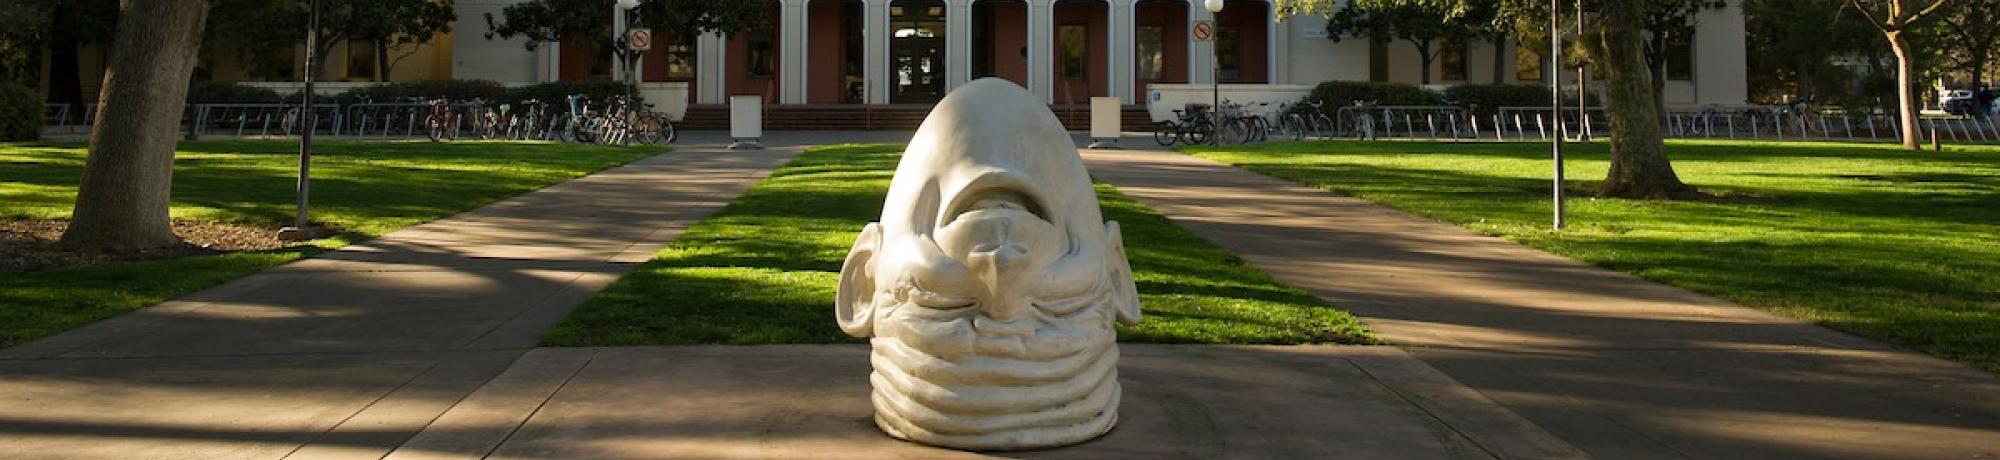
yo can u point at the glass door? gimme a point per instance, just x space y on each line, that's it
916 52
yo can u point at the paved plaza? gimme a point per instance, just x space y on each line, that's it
420 344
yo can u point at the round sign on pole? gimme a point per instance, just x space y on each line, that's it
639 39
1204 31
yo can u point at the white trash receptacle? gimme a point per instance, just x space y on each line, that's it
1105 116
746 122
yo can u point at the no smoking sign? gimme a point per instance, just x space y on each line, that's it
639 39
1204 31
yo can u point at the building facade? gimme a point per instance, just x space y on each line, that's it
1064 51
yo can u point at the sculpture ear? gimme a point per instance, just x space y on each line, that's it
1124 291
854 302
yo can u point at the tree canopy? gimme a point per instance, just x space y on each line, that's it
542 21
1422 25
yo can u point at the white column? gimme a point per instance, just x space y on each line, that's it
552 66
711 75
1274 42
875 50
1122 41
957 43
1041 49
1721 74
1199 54
792 53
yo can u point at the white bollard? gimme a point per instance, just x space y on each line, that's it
746 122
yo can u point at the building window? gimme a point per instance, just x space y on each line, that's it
1152 55
1227 56
360 60
763 54
1451 61
1527 64
680 59
1075 43
1680 55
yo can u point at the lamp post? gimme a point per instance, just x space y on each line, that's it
1214 75
301 228
620 24
1556 103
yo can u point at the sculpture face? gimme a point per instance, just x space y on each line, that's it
991 284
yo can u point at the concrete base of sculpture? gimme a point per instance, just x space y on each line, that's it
992 284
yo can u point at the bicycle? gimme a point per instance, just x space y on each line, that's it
1362 119
1190 126
577 125
441 122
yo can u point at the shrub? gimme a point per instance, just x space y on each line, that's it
231 93
20 113
553 93
457 90
1337 94
1485 100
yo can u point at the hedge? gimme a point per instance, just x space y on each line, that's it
457 90
1337 94
232 93
1485 100
20 113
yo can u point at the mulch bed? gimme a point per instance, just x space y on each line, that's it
30 244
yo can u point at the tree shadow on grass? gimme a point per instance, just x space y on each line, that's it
764 269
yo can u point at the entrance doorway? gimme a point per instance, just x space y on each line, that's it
916 51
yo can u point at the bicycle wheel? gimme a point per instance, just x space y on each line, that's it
434 128
1293 126
667 132
1167 134
1198 134
1260 128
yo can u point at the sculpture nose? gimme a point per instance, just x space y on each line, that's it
998 265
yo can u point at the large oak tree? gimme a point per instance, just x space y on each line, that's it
122 202
1639 164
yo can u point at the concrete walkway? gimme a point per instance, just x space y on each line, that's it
1617 366
350 353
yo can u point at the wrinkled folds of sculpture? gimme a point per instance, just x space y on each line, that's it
990 286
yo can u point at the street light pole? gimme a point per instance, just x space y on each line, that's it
1214 74
301 228
1555 103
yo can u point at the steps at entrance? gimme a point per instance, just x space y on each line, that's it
880 117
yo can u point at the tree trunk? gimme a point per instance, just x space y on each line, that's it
1656 66
1424 54
1639 165
382 60
121 204
65 74
1499 60
1906 97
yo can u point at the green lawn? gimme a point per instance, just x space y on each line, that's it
763 270
367 189
1899 246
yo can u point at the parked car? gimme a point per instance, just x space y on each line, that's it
1959 102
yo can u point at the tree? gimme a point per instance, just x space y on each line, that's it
1970 33
61 27
416 22
1423 25
1896 19
122 202
1794 48
542 21
1639 164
